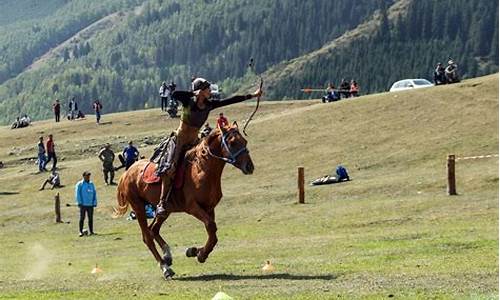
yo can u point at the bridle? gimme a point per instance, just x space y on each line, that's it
224 145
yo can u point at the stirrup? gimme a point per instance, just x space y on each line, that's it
160 210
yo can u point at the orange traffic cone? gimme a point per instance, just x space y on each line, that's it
268 267
96 270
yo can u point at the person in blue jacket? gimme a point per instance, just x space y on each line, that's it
86 198
130 153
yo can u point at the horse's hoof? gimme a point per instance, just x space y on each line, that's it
191 252
168 273
167 260
201 259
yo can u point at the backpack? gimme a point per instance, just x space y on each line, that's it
341 173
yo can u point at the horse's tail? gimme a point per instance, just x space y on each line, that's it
120 198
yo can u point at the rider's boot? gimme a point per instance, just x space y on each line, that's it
161 210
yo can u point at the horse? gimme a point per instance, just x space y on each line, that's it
199 195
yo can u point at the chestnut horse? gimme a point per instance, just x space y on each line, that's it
199 195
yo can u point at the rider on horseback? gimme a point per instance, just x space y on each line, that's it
196 106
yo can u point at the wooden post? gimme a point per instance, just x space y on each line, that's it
452 189
58 208
300 182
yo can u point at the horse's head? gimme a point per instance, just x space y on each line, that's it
233 148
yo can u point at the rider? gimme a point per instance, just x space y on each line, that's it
196 106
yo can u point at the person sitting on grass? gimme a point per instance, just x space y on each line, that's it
54 180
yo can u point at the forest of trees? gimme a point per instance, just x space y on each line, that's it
173 40
409 47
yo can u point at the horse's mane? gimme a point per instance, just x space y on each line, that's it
204 142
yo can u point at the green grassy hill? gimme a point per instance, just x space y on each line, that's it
390 232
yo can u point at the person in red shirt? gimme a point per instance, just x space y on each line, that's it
354 88
51 152
57 110
222 121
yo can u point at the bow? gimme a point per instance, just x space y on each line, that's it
258 100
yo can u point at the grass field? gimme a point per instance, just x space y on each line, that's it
391 232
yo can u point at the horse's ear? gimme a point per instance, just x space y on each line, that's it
235 125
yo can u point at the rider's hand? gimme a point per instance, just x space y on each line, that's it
257 93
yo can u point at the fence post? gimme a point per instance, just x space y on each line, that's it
300 182
452 189
58 208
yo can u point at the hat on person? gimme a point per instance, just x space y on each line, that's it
200 84
86 173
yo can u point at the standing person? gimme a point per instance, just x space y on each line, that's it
97 106
86 198
71 108
57 110
41 155
222 121
107 156
354 88
164 94
51 152
196 106
130 153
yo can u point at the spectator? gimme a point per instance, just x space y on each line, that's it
439 75
206 130
130 154
354 88
107 156
222 121
41 155
344 88
332 94
164 94
171 87
86 198
451 72
80 115
51 152
25 121
97 106
16 124
53 180
57 110
71 106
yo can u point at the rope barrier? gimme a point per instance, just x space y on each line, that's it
477 157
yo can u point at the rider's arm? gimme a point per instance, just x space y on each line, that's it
231 100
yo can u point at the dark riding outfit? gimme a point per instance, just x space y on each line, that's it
192 119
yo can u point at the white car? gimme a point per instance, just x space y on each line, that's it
408 84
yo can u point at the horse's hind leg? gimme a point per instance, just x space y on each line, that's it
155 229
148 238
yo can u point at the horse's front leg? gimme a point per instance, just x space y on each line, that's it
208 218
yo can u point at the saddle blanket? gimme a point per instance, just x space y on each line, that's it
149 174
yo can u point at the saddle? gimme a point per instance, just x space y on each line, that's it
162 161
